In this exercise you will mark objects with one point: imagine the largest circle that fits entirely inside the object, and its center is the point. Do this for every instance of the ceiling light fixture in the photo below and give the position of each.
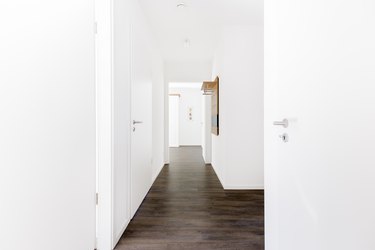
(181, 5)
(187, 43)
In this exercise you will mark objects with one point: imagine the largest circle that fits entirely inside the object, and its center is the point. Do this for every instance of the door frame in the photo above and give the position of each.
(104, 121)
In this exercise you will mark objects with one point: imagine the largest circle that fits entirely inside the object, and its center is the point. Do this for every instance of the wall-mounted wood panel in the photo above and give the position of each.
(215, 108)
(212, 88)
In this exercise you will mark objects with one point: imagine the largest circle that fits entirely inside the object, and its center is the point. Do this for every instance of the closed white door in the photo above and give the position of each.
(141, 111)
(320, 76)
(47, 127)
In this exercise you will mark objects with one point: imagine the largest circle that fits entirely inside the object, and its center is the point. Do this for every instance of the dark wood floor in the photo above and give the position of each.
(187, 208)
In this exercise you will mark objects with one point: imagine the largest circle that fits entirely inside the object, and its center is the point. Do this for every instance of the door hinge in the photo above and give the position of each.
(95, 28)
(97, 198)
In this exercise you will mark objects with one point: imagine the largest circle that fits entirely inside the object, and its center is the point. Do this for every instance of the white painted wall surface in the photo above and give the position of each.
(47, 128)
(319, 65)
(190, 131)
(206, 129)
(166, 121)
(174, 120)
(157, 112)
(188, 71)
(237, 153)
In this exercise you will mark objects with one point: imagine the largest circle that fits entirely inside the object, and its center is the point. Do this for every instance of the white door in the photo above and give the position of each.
(121, 129)
(174, 118)
(47, 128)
(320, 75)
(141, 111)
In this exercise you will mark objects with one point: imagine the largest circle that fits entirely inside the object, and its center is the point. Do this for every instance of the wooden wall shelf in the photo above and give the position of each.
(208, 87)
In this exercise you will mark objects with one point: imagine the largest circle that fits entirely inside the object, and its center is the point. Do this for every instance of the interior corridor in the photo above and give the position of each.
(187, 208)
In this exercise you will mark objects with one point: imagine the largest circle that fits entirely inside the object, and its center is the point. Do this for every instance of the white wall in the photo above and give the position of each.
(237, 153)
(47, 128)
(206, 129)
(187, 71)
(190, 131)
(157, 112)
(174, 120)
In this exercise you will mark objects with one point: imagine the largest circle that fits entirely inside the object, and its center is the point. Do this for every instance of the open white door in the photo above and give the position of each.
(47, 128)
(320, 75)
(141, 111)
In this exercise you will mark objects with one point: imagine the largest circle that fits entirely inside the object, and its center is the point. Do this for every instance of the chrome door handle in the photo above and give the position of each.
(137, 122)
(284, 123)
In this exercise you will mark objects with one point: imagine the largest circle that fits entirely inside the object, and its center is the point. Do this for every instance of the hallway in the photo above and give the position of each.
(187, 208)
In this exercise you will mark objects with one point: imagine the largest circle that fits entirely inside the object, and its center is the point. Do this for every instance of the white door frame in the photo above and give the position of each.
(104, 68)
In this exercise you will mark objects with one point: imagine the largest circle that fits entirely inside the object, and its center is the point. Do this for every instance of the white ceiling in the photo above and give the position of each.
(200, 22)
(187, 85)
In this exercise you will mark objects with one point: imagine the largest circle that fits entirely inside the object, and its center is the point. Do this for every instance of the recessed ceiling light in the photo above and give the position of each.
(186, 43)
(181, 5)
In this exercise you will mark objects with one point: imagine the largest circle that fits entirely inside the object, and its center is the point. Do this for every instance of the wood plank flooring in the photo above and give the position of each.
(187, 208)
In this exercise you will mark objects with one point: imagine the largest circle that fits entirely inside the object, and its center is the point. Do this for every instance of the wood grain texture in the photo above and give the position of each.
(215, 112)
(187, 208)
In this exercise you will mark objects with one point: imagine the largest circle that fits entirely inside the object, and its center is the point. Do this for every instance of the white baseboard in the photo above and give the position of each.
(218, 176)
(235, 187)
(118, 236)
(158, 172)
(205, 161)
